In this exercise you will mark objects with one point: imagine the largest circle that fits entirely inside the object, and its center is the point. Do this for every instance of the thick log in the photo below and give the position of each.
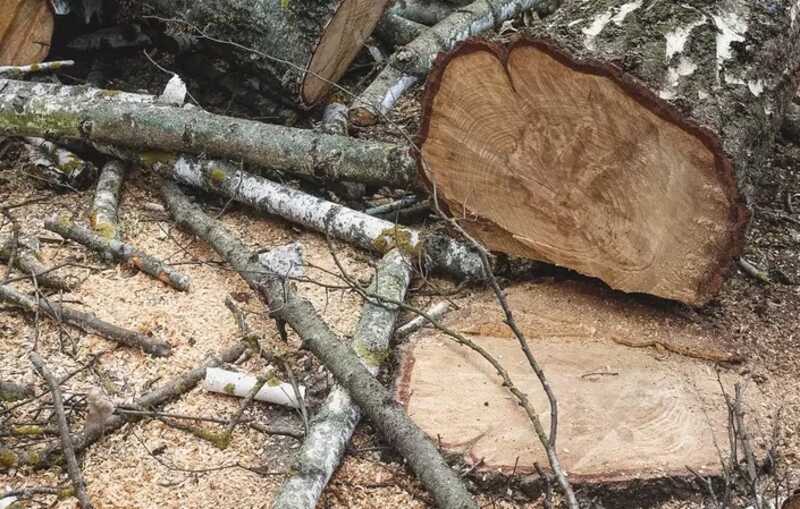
(337, 418)
(304, 45)
(637, 174)
(132, 120)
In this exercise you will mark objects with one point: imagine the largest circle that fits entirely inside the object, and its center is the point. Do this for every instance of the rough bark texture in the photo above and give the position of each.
(103, 217)
(337, 418)
(26, 261)
(373, 398)
(136, 121)
(86, 321)
(395, 30)
(635, 134)
(119, 251)
(36, 457)
(57, 165)
(412, 63)
(309, 43)
(437, 252)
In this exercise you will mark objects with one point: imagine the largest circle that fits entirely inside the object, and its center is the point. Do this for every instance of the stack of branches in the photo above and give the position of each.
(579, 147)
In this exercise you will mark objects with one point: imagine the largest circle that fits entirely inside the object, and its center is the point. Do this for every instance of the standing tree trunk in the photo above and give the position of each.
(303, 45)
(638, 174)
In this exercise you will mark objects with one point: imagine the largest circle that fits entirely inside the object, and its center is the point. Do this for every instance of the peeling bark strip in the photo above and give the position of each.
(37, 457)
(413, 62)
(103, 217)
(86, 321)
(304, 44)
(438, 252)
(337, 418)
(136, 122)
(26, 261)
(120, 251)
(721, 70)
(373, 398)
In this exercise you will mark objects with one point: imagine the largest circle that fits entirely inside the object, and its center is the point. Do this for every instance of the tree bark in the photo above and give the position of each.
(26, 261)
(104, 217)
(131, 120)
(337, 418)
(120, 251)
(304, 45)
(631, 149)
(373, 398)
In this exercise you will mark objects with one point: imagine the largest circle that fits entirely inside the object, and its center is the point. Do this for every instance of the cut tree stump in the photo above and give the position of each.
(624, 146)
(624, 413)
(303, 45)
(26, 27)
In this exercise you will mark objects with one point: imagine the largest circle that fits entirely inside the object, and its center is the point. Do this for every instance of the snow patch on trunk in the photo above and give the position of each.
(593, 30)
(676, 39)
(624, 10)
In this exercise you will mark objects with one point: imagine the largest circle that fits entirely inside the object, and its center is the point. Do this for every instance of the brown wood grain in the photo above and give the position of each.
(26, 28)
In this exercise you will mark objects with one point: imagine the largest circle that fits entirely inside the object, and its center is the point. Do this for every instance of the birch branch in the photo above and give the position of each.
(86, 321)
(138, 122)
(413, 62)
(104, 218)
(119, 251)
(337, 418)
(374, 399)
(58, 166)
(38, 458)
(19, 71)
(437, 311)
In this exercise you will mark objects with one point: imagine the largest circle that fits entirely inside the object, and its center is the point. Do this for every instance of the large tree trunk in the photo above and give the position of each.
(302, 45)
(637, 175)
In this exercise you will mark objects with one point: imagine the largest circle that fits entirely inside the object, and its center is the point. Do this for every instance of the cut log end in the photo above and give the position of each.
(575, 164)
(338, 46)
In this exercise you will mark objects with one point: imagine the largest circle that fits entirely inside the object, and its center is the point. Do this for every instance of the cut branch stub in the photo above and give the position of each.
(575, 164)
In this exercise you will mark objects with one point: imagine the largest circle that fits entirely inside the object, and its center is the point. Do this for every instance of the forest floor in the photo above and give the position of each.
(150, 464)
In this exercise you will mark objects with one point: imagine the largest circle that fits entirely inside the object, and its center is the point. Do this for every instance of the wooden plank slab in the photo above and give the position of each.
(625, 413)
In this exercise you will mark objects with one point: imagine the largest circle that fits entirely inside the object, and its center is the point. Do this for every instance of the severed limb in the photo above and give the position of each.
(104, 218)
(372, 397)
(87, 321)
(37, 457)
(75, 475)
(115, 249)
(334, 424)
(24, 257)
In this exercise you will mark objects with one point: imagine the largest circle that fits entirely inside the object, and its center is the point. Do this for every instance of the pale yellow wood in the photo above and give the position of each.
(26, 28)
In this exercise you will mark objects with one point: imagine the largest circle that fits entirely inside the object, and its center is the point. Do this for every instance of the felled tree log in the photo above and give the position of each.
(635, 175)
(372, 397)
(77, 318)
(120, 251)
(26, 27)
(303, 45)
(337, 418)
(102, 116)
(411, 63)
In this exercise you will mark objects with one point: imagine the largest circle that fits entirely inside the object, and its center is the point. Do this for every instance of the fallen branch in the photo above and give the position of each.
(138, 122)
(437, 252)
(337, 418)
(63, 428)
(86, 321)
(58, 166)
(103, 217)
(412, 62)
(26, 261)
(223, 381)
(51, 455)
(19, 71)
(115, 249)
(374, 399)
(437, 311)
